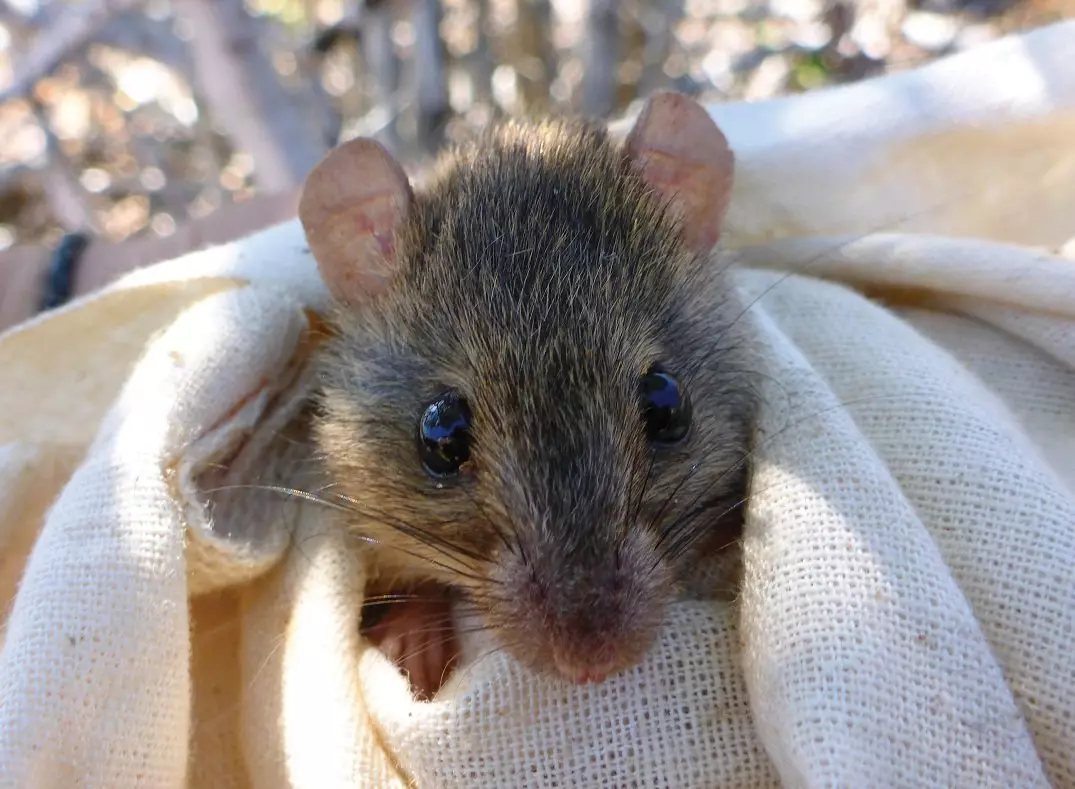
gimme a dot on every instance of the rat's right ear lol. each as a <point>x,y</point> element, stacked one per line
<point>353,203</point>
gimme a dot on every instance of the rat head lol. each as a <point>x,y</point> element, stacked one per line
<point>537,390</point>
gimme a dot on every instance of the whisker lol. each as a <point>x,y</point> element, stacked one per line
<point>429,538</point>
<point>678,522</point>
<point>389,599</point>
<point>492,524</point>
<point>637,506</point>
<point>445,547</point>
<point>462,573</point>
<point>460,677</point>
<point>425,647</point>
<point>690,473</point>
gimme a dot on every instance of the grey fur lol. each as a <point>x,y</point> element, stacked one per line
<point>540,276</point>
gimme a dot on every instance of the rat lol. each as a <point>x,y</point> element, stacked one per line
<point>537,396</point>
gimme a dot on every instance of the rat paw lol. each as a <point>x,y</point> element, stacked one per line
<point>416,633</point>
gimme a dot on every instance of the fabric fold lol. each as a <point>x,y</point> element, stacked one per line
<point>177,614</point>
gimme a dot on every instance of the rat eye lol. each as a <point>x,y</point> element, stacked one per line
<point>443,435</point>
<point>666,408</point>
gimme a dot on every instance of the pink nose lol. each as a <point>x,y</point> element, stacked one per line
<point>591,675</point>
<point>594,671</point>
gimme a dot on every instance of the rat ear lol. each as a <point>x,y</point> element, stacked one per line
<point>682,153</point>
<point>352,205</point>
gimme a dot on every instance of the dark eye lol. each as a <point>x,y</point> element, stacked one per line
<point>666,408</point>
<point>443,435</point>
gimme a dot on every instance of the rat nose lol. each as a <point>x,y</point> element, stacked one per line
<point>587,677</point>
<point>588,614</point>
<point>582,674</point>
<point>582,668</point>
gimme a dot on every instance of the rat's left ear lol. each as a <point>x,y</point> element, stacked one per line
<point>352,206</point>
<point>682,153</point>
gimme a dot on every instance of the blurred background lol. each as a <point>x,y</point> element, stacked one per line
<point>126,118</point>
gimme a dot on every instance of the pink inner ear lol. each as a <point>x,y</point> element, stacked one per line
<point>682,153</point>
<point>351,208</point>
<point>376,216</point>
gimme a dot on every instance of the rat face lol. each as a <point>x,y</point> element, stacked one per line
<point>547,404</point>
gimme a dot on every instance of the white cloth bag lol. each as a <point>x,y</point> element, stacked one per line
<point>907,616</point>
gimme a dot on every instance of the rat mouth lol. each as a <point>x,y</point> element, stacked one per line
<point>413,627</point>
<point>417,632</point>
<point>583,627</point>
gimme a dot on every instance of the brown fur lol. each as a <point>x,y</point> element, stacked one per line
<point>540,276</point>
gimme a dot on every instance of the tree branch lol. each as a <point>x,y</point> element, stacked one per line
<point>65,36</point>
<point>243,93</point>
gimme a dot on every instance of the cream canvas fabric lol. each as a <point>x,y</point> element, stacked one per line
<point>907,614</point>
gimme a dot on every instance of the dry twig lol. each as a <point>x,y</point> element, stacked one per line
<point>65,37</point>
<point>245,96</point>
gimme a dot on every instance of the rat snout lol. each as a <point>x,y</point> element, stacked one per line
<point>583,669</point>
<point>600,637</point>
<point>585,618</point>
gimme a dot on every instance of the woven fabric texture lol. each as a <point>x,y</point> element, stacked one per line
<point>907,612</point>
